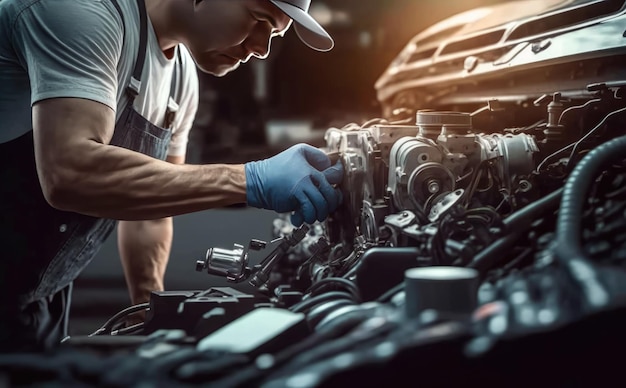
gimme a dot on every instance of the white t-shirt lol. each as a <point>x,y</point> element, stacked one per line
<point>79,48</point>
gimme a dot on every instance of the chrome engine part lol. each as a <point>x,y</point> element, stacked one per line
<point>393,168</point>
<point>423,168</point>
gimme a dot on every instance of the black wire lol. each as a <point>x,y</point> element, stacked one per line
<point>485,209</point>
<point>491,217</point>
<point>334,252</point>
<point>616,193</point>
<point>552,155</point>
<point>579,142</point>
<point>307,304</point>
<point>350,286</point>
<point>349,265</point>
<point>531,126</point>
<point>129,330</point>
<point>495,252</point>
<point>461,222</point>
<point>437,242</point>
<point>390,293</point>
<point>378,120</point>
<point>516,225</point>
<point>122,314</point>
<point>308,263</point>
<point>474,181</point>
<point>352,271</point>
<point>576,107</point>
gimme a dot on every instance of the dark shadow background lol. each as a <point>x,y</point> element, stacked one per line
<point>295,88</point>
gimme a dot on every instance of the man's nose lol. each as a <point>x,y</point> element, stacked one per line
<point>259,46</point>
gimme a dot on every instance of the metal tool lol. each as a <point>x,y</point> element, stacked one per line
<point>233,264</point>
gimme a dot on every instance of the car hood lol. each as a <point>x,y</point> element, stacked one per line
<point>482,41</point>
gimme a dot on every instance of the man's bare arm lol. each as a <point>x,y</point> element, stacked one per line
<point>144,248</point>
<point>80,172</point>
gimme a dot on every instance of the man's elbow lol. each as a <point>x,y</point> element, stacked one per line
<point>58,192</point>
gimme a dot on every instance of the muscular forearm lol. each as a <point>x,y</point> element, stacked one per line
<point>112,182</point>
<point>144,248</point>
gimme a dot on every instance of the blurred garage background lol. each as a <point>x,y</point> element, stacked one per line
<point>259,110</point>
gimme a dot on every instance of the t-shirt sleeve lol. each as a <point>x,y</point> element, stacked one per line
<point>70,48</point>
<point>188,106</point>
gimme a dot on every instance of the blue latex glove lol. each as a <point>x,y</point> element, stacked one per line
<point>297,180</point>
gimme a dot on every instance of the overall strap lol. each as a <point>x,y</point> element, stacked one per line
<point>135,81</point>
<point>175,91</point>
<point>177,76</point>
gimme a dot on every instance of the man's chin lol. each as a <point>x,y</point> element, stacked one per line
<point>219,70</point>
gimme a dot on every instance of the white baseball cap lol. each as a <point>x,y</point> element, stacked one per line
<point>308,29</point>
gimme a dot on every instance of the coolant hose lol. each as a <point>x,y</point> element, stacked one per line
<point>569,249</point>
<point>523,218</point>
<point>307,304</point>
<point>516,225</point>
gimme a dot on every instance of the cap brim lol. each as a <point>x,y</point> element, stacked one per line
<point>308,29</point>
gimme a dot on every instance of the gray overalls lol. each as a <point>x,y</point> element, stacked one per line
<point>43,249</point>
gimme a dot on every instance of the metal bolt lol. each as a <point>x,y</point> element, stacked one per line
<point>433,186</point>
<point>470,63</point>
<point>538,47</point>
<point>525,186</point>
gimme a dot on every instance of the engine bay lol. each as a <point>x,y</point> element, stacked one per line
<point>482,235</point>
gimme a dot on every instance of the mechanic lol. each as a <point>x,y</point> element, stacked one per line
<point>97,98</point>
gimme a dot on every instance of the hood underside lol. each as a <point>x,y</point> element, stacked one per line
<point>503,42</point>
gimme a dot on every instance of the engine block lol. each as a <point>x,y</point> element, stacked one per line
<point>423,167</point>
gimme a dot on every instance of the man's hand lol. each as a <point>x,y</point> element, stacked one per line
<point>299,179</point>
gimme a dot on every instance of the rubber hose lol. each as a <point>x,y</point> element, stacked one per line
<point>321,311</point>
<point>522,218</point>
<point>516,224</point>
<point>308,304</point>
<point>569,249</point>
<point>490,255</point>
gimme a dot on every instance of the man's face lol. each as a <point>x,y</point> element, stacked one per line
<point>224,33</point>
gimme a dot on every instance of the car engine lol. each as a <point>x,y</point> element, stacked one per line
<point>482,233</point>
